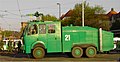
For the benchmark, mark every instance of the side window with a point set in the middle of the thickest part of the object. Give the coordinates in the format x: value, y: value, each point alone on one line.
x: 42, y: 28
x: 32, y: 29
x: 51, y: 28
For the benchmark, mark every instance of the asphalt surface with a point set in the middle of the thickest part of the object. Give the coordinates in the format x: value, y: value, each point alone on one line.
x: 7, y: 56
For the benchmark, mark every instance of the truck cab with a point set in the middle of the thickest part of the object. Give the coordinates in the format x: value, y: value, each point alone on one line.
x: 45, y: 34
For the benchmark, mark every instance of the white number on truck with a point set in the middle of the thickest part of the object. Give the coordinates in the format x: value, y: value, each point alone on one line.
x: 67, y: 37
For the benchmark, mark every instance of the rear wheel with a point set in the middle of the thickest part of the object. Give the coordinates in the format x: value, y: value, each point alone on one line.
x: 38, y: 52
x: 77, y: 52
x: 90, y: 52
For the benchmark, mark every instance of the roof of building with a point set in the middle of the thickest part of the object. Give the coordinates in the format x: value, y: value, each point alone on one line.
x: 69, y: 13
x: 112, y: 12
x: 109, y: 14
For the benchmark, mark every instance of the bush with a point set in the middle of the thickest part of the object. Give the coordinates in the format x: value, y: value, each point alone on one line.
x: 1, y: 45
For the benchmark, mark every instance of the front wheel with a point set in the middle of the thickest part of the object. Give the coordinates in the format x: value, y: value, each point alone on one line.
x: 77, y: 52
x: 38, y: 52
x: 90, y: 52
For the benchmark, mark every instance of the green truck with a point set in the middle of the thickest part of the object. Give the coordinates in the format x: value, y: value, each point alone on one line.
x: 44, y: 37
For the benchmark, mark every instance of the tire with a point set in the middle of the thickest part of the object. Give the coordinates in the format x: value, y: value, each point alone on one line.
x: 77, y: 52
x: 90, y: 52
x: 38, y: 53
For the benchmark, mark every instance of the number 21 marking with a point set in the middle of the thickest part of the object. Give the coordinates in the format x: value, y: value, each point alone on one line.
x: 67, y: 37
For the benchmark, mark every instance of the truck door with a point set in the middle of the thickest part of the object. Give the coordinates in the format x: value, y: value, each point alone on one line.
x: 54, y: 38
x: 30, y: 36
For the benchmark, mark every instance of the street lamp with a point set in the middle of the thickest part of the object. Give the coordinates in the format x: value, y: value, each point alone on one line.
x: 59, y: 9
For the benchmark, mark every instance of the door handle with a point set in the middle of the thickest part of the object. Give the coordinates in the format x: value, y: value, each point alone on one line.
x: 55, y: 38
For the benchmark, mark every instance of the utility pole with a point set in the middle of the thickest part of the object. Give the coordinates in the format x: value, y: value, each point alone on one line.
x: 83, y: 13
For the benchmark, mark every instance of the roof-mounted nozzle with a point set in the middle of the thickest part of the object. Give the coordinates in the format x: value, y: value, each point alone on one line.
x: 39, y: 16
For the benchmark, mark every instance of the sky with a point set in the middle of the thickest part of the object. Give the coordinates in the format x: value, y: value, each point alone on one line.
x: 11, y: 10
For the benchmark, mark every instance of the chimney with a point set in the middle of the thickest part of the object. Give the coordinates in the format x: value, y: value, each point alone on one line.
x: 112, y: 9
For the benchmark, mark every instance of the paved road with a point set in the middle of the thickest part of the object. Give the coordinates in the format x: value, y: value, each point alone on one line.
x: 57, y: 57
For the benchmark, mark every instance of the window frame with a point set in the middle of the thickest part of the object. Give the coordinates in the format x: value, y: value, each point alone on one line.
x: 51, y: 28
x: 44, y: 30
x: 32, y: 27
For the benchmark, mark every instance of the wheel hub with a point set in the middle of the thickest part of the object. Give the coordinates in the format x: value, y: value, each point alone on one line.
x: 38, y: 52
x: 77, y: 52
x: 91, y: 52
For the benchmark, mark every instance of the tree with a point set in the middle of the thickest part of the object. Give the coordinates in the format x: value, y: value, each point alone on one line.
x: 49, y: 18
x: 94, y: 16
x: 7, y: 33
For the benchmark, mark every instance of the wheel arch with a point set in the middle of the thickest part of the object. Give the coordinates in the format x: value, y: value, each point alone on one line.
x: 38, y: 43
x: 84, y: 45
